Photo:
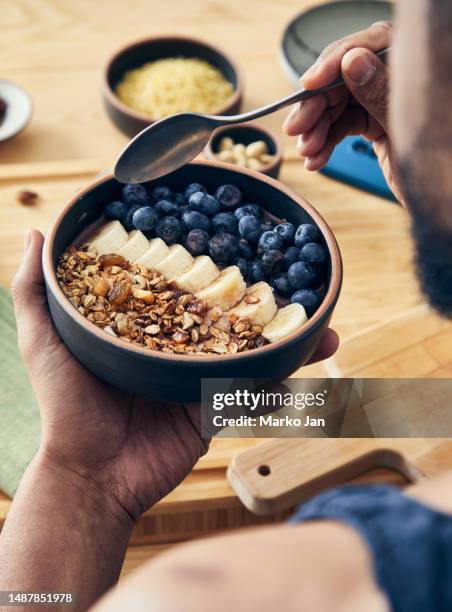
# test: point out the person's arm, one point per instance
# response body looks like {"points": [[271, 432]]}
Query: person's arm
{"points": [[63, 535], [105, 458]]}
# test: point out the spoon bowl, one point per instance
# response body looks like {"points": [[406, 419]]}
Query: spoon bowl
{"points": [[155, 152]]}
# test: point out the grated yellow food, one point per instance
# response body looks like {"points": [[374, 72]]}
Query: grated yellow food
{"points": [[174, 85]]}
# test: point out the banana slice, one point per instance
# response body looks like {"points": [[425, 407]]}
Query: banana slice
{"points": [[259, 312], [110, 239], [135, 247], [202, 273], [175, 263], [226, 290], [157, 251], [287, 320]]}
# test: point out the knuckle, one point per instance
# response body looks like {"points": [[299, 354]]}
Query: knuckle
{"points": [[329, 49], [380, 95]]}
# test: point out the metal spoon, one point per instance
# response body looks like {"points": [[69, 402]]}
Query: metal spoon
{"points": [[174, 141]]}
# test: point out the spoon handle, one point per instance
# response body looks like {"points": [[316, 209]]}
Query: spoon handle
{"points": [[302, 94]]}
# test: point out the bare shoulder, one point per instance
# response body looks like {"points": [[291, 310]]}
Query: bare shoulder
{"points": [[322, 566]]}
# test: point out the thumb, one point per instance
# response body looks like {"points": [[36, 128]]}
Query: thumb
{"points": [[30, 303], [367, 78]]}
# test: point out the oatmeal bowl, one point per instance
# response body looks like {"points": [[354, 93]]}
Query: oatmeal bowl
{"points": [[211, 272]]}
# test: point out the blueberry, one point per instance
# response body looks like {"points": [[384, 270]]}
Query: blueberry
{"points": [[255, 273], [309, 299], [224, 222], [115, 210], [193, 188], [204, 203], [306, 233], [181, 209], [246, 250], [281, 285], [272, 262], [286, 231], [270, 240], [243, 267], [229, 196], [314, 253], [135, 195], [180, 199], [166, 208], [267, 226], [248, 209], [224, 248], [250, 228], [145, 219], [302, 275], [161, 192], [127, 220], [291, 255], [169, 229], [192, 219], [196, 241]]}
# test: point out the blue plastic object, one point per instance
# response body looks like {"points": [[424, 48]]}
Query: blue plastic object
{"points": [[354, 162]]}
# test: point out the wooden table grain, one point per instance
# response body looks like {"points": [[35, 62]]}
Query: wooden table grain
{"points": [[57, 49]]}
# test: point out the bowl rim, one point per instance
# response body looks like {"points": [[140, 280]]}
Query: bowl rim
{"points": [[21, 127], [113, 99], [224, 129], [315, 321]]}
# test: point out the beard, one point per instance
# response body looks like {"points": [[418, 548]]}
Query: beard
{"points": [[431, 213]]}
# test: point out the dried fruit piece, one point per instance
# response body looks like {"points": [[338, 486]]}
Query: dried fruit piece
{"points": [[181, 337], [118, 294], [110, 259]]}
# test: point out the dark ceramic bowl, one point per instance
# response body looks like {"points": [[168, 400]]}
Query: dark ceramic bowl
{"points": [[136, 54], [153, 374], [246, 133]]}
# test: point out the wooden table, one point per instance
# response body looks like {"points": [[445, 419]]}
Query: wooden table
{"points": [[56, 49]]}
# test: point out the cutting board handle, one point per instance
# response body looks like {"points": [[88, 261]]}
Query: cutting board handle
{"points": [[277, 475]]}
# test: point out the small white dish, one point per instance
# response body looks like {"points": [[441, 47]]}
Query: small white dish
{"points": [[18, 112]]}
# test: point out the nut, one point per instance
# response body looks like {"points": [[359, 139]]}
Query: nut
{"points": [[101, 287], [146, 296], [256, 149]]}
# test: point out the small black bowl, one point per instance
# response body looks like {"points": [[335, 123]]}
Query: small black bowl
{"points": [[245, 133], [165, 376], [138, 53]]}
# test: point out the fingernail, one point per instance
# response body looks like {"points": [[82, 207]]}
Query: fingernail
{"points": [[27, 241], [306, 162], [361, 69]]}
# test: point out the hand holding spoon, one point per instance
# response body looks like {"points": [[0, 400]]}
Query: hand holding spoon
{"points": [[174, 141]]}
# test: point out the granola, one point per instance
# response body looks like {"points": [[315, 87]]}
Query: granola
{"points": [[139, 306]]}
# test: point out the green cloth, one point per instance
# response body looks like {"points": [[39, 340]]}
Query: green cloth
{"points": [[19, 418]]}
